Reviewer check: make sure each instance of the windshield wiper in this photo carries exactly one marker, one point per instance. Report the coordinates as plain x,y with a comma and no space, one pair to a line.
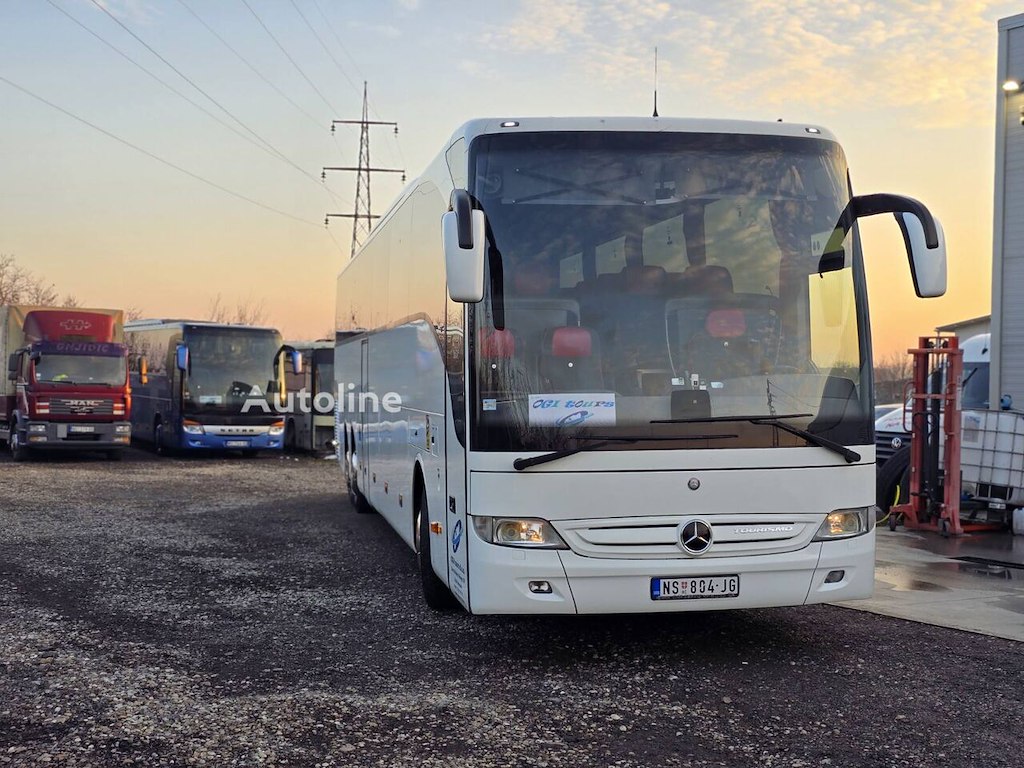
601,441
776,421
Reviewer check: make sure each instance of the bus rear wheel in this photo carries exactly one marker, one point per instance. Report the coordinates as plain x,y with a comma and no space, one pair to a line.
435,592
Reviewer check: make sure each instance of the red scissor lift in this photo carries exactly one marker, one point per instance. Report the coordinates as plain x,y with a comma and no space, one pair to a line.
934,503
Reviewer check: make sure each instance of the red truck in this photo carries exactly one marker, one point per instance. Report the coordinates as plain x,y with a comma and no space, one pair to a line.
67,380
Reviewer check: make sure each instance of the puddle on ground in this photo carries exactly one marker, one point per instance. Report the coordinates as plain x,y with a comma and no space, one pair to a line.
916,585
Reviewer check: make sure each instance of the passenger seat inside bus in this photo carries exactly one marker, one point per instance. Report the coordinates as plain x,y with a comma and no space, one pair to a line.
532,308
570,360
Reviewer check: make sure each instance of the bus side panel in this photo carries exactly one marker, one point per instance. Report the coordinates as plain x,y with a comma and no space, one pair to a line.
457,522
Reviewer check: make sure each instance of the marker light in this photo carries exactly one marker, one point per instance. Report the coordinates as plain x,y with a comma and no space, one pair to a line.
813,130
510,124
1011,85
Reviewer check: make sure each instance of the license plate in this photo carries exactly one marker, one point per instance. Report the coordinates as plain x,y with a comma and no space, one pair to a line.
236,443
81,428
695,587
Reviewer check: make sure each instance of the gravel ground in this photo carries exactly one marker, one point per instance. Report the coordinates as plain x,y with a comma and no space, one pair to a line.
222,612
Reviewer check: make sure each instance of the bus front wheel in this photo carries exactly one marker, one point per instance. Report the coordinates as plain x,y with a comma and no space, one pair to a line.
435,591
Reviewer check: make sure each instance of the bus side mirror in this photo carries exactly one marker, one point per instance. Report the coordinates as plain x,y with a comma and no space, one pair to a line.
464,235
181,358
12,367
927,265
296,359
922,235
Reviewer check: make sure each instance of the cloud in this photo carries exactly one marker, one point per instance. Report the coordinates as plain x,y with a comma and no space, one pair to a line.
920,55
130,11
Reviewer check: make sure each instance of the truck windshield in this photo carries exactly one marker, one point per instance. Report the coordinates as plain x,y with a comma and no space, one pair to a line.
230,365
102,370
638,282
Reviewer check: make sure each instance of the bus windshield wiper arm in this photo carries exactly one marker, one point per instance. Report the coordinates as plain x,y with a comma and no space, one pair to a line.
601,441
776,421
810,437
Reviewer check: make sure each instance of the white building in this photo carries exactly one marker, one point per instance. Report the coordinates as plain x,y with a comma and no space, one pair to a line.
1007,371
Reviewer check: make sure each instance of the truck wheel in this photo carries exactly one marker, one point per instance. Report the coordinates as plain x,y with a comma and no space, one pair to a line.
19,452
892,483
435,592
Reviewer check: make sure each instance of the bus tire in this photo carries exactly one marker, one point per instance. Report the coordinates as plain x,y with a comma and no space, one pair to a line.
893,481
435,592
289,437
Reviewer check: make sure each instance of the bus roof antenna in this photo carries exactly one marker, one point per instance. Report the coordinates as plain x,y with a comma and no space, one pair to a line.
655,81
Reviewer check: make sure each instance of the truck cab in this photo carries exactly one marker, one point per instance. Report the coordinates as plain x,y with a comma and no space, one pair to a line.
67,382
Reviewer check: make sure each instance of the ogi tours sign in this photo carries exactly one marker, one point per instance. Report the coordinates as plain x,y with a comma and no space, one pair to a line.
571,409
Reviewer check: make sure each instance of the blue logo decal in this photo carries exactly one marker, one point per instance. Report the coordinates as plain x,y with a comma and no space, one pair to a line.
573,419
456,535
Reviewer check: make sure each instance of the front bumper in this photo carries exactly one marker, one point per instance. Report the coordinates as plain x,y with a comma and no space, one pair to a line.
212,441
82,436
499,579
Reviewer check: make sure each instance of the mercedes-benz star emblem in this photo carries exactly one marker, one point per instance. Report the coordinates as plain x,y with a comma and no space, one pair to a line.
695,536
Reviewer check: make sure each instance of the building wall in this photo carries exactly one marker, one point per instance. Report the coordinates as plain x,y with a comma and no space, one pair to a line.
1008,233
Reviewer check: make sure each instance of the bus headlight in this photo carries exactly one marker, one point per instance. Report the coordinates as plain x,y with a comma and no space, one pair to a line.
845,523
190,427
276,428
518,532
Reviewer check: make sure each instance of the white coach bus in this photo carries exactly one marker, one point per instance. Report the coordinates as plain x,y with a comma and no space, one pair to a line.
596,365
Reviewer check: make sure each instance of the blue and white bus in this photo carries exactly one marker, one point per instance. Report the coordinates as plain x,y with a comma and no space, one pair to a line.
206,386
629,366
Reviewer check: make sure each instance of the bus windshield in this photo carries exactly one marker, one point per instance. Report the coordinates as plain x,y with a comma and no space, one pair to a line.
642,284
228,366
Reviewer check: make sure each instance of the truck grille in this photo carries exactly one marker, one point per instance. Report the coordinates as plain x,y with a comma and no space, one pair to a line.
86,406
734,535
884,447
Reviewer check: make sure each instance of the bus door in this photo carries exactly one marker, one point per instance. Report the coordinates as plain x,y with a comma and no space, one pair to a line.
362,441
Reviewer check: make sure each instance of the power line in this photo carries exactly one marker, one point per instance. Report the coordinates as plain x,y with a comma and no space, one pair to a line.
362,215
265,144
153,156
341,45
261,146
287,55
282,94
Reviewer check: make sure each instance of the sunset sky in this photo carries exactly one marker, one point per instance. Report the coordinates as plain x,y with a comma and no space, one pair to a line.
144,207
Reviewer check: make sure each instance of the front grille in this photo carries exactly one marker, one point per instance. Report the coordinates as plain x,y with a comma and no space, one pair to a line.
81,407
734,535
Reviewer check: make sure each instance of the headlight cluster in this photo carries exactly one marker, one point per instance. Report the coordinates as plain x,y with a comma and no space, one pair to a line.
36,428
122,429
846,523
518,532
276,428
192,427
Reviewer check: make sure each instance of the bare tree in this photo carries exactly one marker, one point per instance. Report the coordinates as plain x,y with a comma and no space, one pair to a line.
19,286
132,313
247,312
892,373
70,301
251,312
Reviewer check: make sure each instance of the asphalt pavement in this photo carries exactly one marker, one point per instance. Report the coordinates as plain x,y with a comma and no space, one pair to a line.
238,612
